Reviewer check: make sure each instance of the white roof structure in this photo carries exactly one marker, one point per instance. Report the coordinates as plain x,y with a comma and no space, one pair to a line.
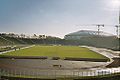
87,33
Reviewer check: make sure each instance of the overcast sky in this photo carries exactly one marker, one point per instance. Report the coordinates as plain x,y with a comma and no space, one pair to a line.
56,17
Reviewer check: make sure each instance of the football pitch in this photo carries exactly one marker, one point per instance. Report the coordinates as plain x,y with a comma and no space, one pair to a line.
57,51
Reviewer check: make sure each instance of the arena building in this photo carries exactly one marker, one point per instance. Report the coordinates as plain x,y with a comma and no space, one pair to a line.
94,38
86,33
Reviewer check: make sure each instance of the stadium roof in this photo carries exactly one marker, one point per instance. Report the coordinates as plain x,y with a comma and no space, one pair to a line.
89,33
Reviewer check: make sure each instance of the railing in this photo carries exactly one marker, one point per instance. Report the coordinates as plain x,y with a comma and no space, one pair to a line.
58,73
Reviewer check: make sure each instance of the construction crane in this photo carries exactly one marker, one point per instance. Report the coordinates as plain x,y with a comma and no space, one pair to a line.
97,25
103,25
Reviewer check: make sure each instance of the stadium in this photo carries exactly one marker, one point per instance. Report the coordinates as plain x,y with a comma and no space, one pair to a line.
59,40
79,56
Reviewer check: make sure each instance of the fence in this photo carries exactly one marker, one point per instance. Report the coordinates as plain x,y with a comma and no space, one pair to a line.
57,73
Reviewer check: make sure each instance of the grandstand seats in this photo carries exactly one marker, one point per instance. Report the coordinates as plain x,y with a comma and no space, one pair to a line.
4,42
105,42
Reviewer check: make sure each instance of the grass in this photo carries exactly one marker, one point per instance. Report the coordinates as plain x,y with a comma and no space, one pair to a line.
57,51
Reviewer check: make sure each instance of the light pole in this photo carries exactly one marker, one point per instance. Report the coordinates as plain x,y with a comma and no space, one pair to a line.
116,5
118,28
119,21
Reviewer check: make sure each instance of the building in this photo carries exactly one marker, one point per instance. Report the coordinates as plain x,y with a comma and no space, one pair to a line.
93,38
86,33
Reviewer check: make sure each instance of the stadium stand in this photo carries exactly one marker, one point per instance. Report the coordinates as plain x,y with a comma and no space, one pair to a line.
110,42
4,42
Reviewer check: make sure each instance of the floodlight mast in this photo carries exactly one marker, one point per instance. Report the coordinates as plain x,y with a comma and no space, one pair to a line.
119,28
119,23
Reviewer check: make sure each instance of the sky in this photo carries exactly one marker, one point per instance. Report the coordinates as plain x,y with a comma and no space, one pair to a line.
56,17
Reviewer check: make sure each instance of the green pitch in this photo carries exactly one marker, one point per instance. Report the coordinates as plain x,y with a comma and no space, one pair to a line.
57,51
